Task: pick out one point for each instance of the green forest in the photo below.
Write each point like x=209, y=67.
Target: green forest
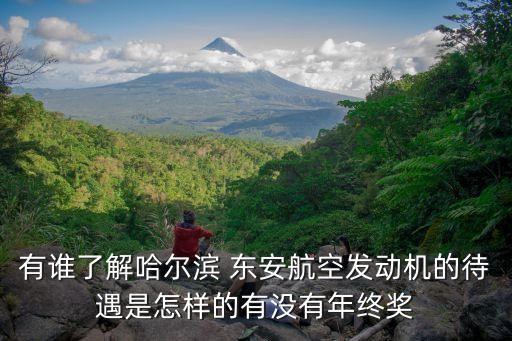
x=97, y=191
x=423, y=164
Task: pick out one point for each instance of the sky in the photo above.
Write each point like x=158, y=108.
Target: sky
x=326, y=44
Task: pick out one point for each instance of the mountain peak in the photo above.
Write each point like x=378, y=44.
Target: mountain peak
x=223, y=44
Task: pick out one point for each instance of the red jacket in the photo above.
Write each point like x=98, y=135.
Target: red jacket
x=186, y=240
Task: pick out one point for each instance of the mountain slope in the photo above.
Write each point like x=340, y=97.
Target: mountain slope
x=221, y=45
x=287, y=125
x=201, y=101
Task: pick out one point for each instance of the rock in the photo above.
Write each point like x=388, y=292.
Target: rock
x=225, y=267
x=160, y=287
x=436, y=294
x=358, y=323
x=336, y=323
x=483, y=287
x=304, y=286
x=435, y=308
x=333, y=320
x=34, y=328
x=382, y=335
x=151, y=288
x=125, y=331
x=275, y=331
x=286, y=284
x=314, y=286
x=318, y=332
x=176, y=329
x=95, y=335
x=337, y=336
x=270, y=290
x=58, y=310
x=424, y=328
x=182, y=287
x=47, y=308
x=161, y=255
x=98, y=284
x=325, y=250
x=6, y=326
x=487, y=312
x=283, y=272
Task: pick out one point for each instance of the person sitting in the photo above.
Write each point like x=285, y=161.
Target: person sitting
x=188, y=236
x=345, y=251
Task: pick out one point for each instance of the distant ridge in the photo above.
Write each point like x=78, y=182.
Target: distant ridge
x=257, y=103
x=220, y=44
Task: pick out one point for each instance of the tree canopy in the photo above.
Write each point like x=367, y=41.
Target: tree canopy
x=424, y=164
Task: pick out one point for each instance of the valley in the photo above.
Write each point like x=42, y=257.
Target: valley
x=255, y=104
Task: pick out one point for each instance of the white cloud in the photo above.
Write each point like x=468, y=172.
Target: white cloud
x=62, y=39
x=211, y=61
x=139, y=51
x=58, y=29
x=17, y=28
x=330, y=48
x=152, y=57
x=65, y=52
x=346, y=67
x=342, y=67
x=105, y=78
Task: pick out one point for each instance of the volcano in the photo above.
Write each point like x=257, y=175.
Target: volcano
x=221, y=44
x=257, y=103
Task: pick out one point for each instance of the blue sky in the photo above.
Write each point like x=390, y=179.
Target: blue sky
x=278, y=23
x=258, y=26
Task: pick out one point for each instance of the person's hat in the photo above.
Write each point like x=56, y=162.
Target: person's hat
x=189, y=216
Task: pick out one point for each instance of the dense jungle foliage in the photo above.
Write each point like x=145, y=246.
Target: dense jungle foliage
x=424, y=164
x=97, y=191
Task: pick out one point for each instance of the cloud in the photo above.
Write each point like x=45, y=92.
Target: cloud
x=17, y=28
x=64, y=52
x=330, y=48
x=139, y=51
x=342, y=67
x=106, y=77
x=58, y=29
x=152, y=57
x=63, y=39
x=345, y=67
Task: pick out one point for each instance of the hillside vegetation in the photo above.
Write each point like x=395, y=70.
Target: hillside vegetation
x=423, y=165
x=93, y=190
x=258, y=104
